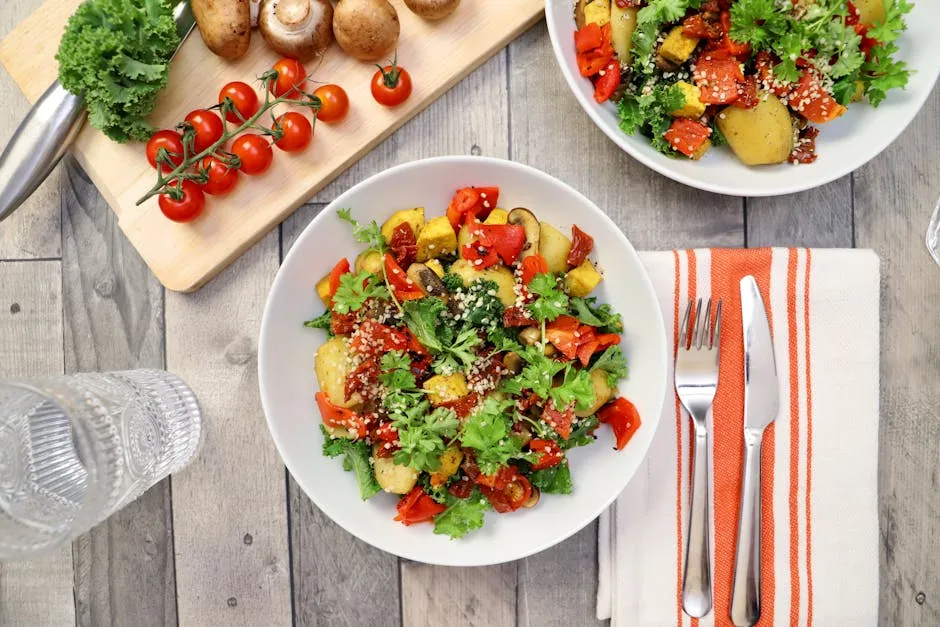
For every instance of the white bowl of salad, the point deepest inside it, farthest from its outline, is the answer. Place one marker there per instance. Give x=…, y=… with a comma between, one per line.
x=749, y=97
x=462, y=361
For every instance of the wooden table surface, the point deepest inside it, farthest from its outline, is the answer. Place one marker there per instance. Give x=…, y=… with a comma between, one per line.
x=232, y=540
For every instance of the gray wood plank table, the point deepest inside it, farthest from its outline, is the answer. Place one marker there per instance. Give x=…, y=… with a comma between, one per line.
x=233, y=541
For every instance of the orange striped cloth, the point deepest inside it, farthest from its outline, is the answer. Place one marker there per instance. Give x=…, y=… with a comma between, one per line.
x=820, y=516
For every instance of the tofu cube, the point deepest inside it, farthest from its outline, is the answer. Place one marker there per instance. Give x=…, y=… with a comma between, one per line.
x=693, y=107
x=678, y=47
x=497, y=216
x=597, y=12
x=437, y=239
x=582, y=280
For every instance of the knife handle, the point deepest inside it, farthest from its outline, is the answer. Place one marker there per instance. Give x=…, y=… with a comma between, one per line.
x=37, y=145
x=745, y=592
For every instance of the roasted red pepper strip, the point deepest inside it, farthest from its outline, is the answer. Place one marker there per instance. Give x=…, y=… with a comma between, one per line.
x=479, y=256
x=607, y=82
x=587, y=38
x=810, y=100
x=589, y=342
x=404, y=245
x=747, y=93
x=341, y=268
x=531, y=266
x=737, y=49
x=622, y=417
x=560, y=421
x=551, y=453
x=506, y=240
x=764, y=62
x=403, y=287
x=717, y=75
x=702, y=26
x=562, y=333
x=581, y=246
x=463, y=202
x=687, y=136
x=417, y=507
x=339, y=417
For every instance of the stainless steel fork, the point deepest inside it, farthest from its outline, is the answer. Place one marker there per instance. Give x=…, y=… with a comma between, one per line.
x=696, y=382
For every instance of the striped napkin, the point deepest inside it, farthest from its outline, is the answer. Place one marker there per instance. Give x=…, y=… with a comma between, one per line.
x=820, y=516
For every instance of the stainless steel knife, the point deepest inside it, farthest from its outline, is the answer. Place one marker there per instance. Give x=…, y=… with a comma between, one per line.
x=47, y=131
x=761, y=404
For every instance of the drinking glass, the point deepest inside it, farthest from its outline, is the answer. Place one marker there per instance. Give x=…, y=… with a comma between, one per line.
x=76, y=448
x=933, y=234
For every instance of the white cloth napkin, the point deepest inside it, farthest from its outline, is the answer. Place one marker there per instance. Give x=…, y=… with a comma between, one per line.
x=820, y=507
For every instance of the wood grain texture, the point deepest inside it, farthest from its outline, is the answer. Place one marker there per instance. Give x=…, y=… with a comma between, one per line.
x=183, y=257
x=33, y=230
x=327, y=562
x=229, y=506
x=820, y=217
x=113, y=312
x=433, y=596
x=38, y=591
x=894, y=195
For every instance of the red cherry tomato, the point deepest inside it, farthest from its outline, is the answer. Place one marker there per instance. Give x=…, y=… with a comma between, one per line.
x=187, y=208
x=391, y=85
x=222, y=179
x=334, y=103
x=208, y=127
x=169, y=140
x=291, y=74
x=254, y=151
x=297, y=132
x=244, y=99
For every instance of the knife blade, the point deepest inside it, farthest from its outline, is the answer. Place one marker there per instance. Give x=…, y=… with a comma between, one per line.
x=49, y=128
x=761, y=404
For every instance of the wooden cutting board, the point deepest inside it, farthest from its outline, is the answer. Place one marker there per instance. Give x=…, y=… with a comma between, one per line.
x=183, y=257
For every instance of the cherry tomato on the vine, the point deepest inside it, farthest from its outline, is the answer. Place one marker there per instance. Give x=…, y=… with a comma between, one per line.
x=297, y=132
x=391, y=85
x=172, y=142
x=334, y=103
x=222, y=179
x=244, y=99
x=254, y=151
x=208, y=127
x=187, y=208
x=290, y=74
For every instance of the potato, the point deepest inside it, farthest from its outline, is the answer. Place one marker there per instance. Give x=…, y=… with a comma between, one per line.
x=323, y=290
x=622, y=25
x=582, y=280
x=437, y=239
x=597, y=12
x=366, y=29
x=554, y=246
x=870, y=11
x=760, y=135
x=450, y=462
x=497, y=216
x=370, y=261
x=414, y=217
x=445, y=388
x=392, y=477
x=498, y=274
x=463, y=237
x=332, y=365
x=434, y=265
x=339, y=432
x=432, y=9
x=225, y=26
x=602, y=393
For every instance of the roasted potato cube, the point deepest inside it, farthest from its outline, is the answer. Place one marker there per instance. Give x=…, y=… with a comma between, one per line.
x=497, y=216
x=437, y=239
x=414, y=217
x=498, y=274
x=678, y=47
x=761, y=135
x=392, y=477
x=582, y=280
x=323, y=290
x=434, y=265
x=370, y=261
x=463, y=237
x=332, y=365
x=554, y=246
x=693, y=107
x=602, y=393
x=870, y=11
x=622, y=25
x=445, y=388
x=597, y=12
x=450, y=462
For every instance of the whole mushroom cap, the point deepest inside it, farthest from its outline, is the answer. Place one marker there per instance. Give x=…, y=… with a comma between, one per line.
x=299, y=29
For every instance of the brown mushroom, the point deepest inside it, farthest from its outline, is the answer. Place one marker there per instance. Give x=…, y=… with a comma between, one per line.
x=432, y=9
x=225, y=26
x=533, y=499
x=299, y=29
x=366, y=29
x=427, y=279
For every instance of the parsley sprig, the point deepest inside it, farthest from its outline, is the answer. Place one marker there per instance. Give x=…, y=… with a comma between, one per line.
x=355, y=289
x=538, y=375
x=453, y=348
x=488, y=432
x=370, y=234
x=551, y=300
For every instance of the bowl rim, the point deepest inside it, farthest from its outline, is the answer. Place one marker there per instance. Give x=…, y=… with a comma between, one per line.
x=264, y=367
x=879, y=141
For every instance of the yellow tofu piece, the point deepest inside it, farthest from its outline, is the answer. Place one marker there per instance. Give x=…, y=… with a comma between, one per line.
x=323, y=290
x=693, y=107
x=414, y=217
x=497, y=216
x=678, y=47
x=435, y=266
x=582, y=280
x=445, y=388
x=437, y=239
x=450, y=461
x=597, y=12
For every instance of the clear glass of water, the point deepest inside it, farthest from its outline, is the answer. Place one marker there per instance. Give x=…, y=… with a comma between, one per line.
x=933, y=234
x=76, y=448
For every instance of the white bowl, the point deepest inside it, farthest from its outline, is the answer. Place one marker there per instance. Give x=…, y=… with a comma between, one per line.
x=288, y=384
x=843, y=145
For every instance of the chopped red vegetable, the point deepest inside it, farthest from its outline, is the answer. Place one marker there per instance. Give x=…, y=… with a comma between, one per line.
x=531, y=266
x=404, y=245
x=562, y=332
x=813, y=102
x=581, y=246
x=339, y=417
x=551, y=453
x=688, y=136
x=717, y=75
x=560, y=421
x=608, y=80
x=374, y=338
x=402, y=287
x=417, y=507
x=589, y=37
x=623, y=418
x=341, y=268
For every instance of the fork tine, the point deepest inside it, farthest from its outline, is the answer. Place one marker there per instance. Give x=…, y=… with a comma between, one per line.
x=685, y=326
x=716, y=339
x=706, y=337
x=697, y=334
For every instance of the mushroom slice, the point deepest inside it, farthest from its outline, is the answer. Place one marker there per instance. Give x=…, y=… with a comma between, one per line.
x=533, y=499
x=299, y=29
x=524, y=217
x=428, y=280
